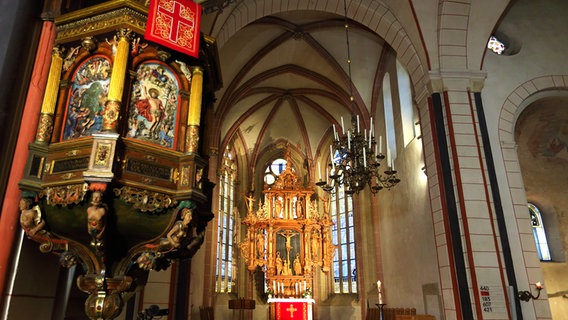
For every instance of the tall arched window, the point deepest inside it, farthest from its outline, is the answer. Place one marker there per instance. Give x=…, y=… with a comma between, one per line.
x=343, y=236
x=539, y=233
x=226, y=233
x=389, y=119
x=406, y=108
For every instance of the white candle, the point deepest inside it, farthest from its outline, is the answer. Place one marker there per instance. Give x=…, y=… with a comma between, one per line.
x=342, y=126
x=319, y=169
x=358, y=131
x=392, y=165
x=380, y=293
x=380, y=144
x=348, y=139
x=331, y=156
x=334, y=132
x=371, y=125
x=364, y=158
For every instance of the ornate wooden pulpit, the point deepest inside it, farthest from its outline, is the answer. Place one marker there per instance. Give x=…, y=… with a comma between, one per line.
x=115, y=180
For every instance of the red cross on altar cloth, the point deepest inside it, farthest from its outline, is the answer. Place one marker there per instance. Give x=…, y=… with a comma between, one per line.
x=175, y=24
x=292, y=309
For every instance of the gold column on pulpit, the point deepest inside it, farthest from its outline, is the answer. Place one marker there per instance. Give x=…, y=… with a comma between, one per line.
x=194, y=114
x=116, y=86
x=45, y=126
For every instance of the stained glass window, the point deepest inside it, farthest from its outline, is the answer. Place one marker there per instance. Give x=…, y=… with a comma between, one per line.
x=539, y=233
x=389, y=119
x=343, y=236
x=495, y=45
x=273, y=170
x=406, y=106
x=226, y=233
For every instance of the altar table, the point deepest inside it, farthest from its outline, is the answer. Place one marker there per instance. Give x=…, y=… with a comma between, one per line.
x=291, y=309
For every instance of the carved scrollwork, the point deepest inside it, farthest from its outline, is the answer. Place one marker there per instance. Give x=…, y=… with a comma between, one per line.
x=145, y=200
x=65, y=195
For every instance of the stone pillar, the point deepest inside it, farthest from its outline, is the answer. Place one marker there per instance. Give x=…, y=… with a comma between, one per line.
x=116, y=86
x=194, y=114
x=45, y=125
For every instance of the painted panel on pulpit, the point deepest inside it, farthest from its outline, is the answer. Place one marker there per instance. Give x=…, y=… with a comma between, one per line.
x=288, y=253
x=87, y=96
x=153, y=105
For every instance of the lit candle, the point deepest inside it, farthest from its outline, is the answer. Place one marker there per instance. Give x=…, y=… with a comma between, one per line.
x=342, y=126
x=538, y=285
x=380, y=144
x=380, y=292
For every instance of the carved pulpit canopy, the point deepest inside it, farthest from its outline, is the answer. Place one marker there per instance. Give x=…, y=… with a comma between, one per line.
x=287, y=236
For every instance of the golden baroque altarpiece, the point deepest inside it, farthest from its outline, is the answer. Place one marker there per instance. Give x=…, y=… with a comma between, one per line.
x=288, y=237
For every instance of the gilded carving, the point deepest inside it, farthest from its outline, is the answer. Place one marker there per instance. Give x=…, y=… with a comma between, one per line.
x=102, y=154
x=144, y=200
x=287, y=236
x=45, y=128
x=185, y=176
x=102, y=22
x=192, y=139
x=65, y=195
x=110, y=117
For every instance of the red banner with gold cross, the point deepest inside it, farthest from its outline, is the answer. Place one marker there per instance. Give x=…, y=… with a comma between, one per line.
x=175, y=24
x=291, y=311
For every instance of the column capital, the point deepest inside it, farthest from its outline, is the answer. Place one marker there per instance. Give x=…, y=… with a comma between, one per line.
x=443, y=80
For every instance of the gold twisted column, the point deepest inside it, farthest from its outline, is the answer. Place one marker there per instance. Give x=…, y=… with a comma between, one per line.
x=45, y=125
x=116, y=86
x=194, y=114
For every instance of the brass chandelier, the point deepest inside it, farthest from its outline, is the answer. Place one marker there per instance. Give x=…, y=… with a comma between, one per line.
x=355, y=160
